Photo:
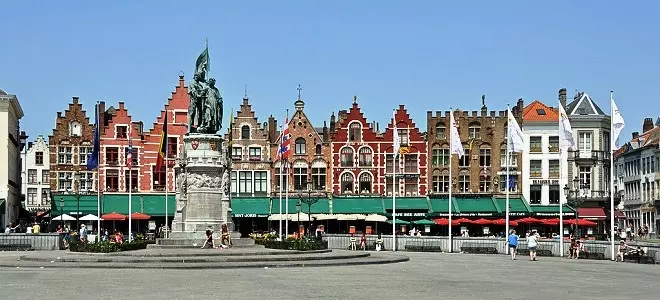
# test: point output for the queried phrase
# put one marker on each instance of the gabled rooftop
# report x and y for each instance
(582, 104)
(539, 112)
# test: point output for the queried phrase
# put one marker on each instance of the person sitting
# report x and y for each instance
(622, 250)
(379, 243)
(226, 237)
(208, 243)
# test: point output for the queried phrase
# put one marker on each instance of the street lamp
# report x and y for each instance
(76, 191)
(298, 207)
(310, 201)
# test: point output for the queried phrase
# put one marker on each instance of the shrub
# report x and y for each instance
(106, 247)
(305, 244)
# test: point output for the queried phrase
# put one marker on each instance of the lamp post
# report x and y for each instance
(298, 207)
(310, 201)
(62, 212)
(76, 193)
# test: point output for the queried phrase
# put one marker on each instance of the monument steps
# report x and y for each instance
(156, 246)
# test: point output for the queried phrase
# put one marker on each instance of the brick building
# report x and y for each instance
(483, 168)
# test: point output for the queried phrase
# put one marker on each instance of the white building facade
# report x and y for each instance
(36, 175)
(10, 158)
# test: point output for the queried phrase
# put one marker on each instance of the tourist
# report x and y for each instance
(532, 243)
(106, 235)
(379, 242)
(226, 237)
(8, 229)
(208, 242)
(83, 233)
(353, 240)
(622, 250)
(28, 229)
(513, 243)
(363, 242)
(623, 235)
(36, 229)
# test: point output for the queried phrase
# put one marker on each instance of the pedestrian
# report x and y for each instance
(363, 242)
(353, 240)
(513, 243)
(379, 242)
(532, 243)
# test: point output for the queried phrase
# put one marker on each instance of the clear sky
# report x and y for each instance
(428, 55)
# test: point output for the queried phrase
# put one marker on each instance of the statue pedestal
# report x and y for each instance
(201, 199)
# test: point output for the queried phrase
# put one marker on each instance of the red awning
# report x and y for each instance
(463, 220)
(619, 214)
(592, 213)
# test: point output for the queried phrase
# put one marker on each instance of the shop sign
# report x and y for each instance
(410, 214)
(554, 214)
(489, 214)
(249, 216)
(545, 182)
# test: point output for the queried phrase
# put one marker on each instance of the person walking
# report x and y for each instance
(513, 243)
(532, 243)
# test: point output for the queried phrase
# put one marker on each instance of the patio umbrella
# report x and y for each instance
(424, 222)
(376, 218)
(463, 220)
(113, 216)
(323, 217)
(445, 222)
(529, 220)
(89, 217)
(140, 216)
(398, 221)
(63, 217)
(483, 221)
(551, 222)
(503, 222)
(584, 222)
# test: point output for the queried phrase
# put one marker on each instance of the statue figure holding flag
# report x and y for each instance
(205, 110)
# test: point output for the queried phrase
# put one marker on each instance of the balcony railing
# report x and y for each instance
(535, 174)
(593, 155)
(589, 194)
(535, 149)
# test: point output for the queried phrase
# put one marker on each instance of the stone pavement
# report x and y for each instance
(425, 276)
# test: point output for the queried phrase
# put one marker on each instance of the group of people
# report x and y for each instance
(378, 244)
(32, 227)
(629, 233)
(225, 238)
(532, 243)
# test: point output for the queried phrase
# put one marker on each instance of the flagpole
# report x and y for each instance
(612, 145)
(395, 149)
(507, 161)
(98, 175)
(561, 190)
(130, 186)
(167, 226)
(451, 153)
(287, 190)
(281, 156)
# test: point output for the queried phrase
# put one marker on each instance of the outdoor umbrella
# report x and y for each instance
(424, 222)
(551, 222)
(398, 221)
(463, 220)
(503, 222)
(483, 221)
(445, 222)
(375, 218)
(89, 217)
(529, 220)
(140, 216)
(584, 222)
(64, 217)
(113, 216)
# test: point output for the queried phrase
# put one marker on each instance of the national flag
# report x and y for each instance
(396, 137)
(284, 151)
(566, 140)
(93, 161)
(129, 150)
(455, 139)
(230, 141)
(470, 146)
(162, 148)
(617, 123)
(511, 185)
(515, 142)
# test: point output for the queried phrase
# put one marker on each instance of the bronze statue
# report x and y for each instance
(205, 110)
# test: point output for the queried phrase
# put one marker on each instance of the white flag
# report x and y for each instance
(454, 138)
(566, 140)
(617, 123)
(397, 139)
(516, 143)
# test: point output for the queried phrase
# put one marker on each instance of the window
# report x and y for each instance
(84, 154)
(440, 156)
(245, 132)
(485, 183)
(131, 181)
(411, 186)
(87, 179)
(347, 157)
(75, 129)
(474, 131)
(554, 194)
(45, 196)
(410, 163)
(355, 132)
(535, 194)
(111, 180)
(403, 136)
(255, 153)
(301, 145)
(606, 142)
(112, 155)
(585, 178)
(440, 131)
(389, 163)
(553, 168)
(464, 161)
(234, 182)
(32, 176)
(484, 157)
(347, 183)
(535, 169)
(172, 146)
(513, 183)
(45, 177)
(64, 180)
(158, 178)
(260, 183)
(64, 155)
(540, 111)
(282, 177)
(440, 181)
(535, 144)
(39, 158)
(236, 153)
(245, 182)
(364, 158)
(318, 149)
(121, 132)
(134, 155)
(318, 178)
(553, 144)
(584, 141)
(300, 178)
(464, 181)
(365, 183)
(513, 159)
(32, 196)
(389, 186)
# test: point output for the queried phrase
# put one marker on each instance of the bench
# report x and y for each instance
(648, 258)
(15, 247)
(592, 252)
(421, 245)
(479, 248)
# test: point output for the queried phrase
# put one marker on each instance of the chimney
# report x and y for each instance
(75, 100)
(377, 127)
(635, 135)
(30, 144)
(325, 132)
(332, 122)
(182, 82)
(562, 97)
(272, 129)
(520, 107)
(102, 117)
(648, 124)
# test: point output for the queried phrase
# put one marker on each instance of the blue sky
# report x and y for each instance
(429, 55)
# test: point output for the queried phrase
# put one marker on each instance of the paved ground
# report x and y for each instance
(425, 276)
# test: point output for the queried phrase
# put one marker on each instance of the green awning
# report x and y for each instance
(424, 222)
(150, 204)
(69, 204)
(406, 203)
(551, 210)
(441, 206)
(517, 206)
(398, 221)
(250, 207)
(357, 205)
(320, 207)
(477, 205)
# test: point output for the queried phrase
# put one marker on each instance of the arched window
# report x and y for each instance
(365, 157)
(440, 131)
(355, 132)
(318, 149)
(474, 130)
(347, 183)
(365, 183)
(245, 132)
(300, 146)
(347, 157)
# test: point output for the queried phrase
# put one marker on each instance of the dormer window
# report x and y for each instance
(75, 129)
(121, 132)
(355, 132)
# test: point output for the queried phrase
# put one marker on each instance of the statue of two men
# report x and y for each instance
(205, 110)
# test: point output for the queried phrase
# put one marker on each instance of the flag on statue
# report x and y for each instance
(397, 138)
(516, 143)
(617, 123)
(566, 140)
(455, 139)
